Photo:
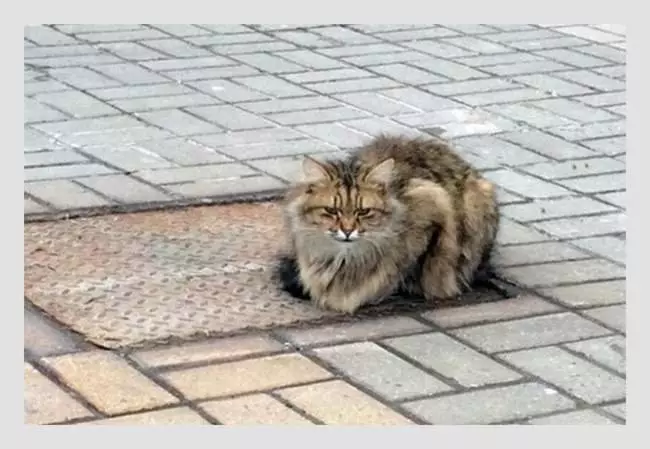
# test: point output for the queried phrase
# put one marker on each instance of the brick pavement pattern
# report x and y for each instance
(121, 117)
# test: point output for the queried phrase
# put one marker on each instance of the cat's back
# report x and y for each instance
(427, 158)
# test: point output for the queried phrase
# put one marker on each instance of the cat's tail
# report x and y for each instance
(286, 273)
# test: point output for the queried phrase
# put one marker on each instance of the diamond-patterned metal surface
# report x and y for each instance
(130, 279)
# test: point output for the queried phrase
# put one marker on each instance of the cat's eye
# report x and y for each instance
(362, 212)
(331, 210)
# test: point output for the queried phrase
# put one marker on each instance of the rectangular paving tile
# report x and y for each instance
(229, 186)
(338, 403)
(335, 134)
(364, 330)
(571, 168)
(610, 351)
(511, 233)
(584, 226)
(548, 145)
(597, 183)
(452, 359)
(179, 122)
(230, 117)
(608, 247)
(588, 294)
(54, 157)
(253, 410)
(555, 208)
(168, 417)
(499, 151)
(491, 406)
(64, 194)
(525, 185)
(548, 275)
(536, 253)
(42, 338)
(76, 104)
(529, 332)
(576, 418)
(380, 371)
(124, 189)
(245, 376)
(562, 369)
(45, 402)
(210, 350)
(108, 382)
(518, 307)
(612, 316)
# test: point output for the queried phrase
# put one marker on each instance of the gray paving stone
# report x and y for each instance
(219, 40)
(529, 114)
(588, 294)
(228, 91)
(610, 146)
(183, 152)
(376, 103)
(499, 59)
(525, 185)
(530, 332)
(115, 136)
(574, 58)
(546, 209)
(446, 356)
(556, 86)
(256, 47)
(469, 87)
(335, 133)
(317, 115)
(117, 36)
(76, 104)
(251, 136)
(596, 183)
(449, 69)
(357, 50)
(346, 332)
(524, 35)
(439, 49)
(416, 34)
(128, 73)
(289, 104)
(181, 29)
(561, 368)
(32, 207)
(82, 78)
(64, 194)
(576, 418)
(34, 140)
(470, 28)
(59, 50)
(613, 316)
(511, 233)
(525, 68)
(590, 33)
(201, 172)
(536, 253)
(124, 189)
(36, 112)
(179, 122)
(43, 339)
(502, 96)
(593, 80)
(477, 45)
(548, 145)
(64, 171)
(374, 126)
(265, 150)
(311, 59)
(140, 91)
(43, 35)
(132, 51)
(617, 410)
(566, 272)
(273, 86)
(225, 28)
(230, 117)
(368, 61)
(353, 85)
(304, 39)
(616, 71)
(499, 151)
(615, 198)
(620, 110)
(408, 75)
(128, 157)
(545, 44)
(97, 28)
(53, 157)
(176, 47)
(584, 226)
(167, 102)
(209, 73)
(345, 35)
(418, 99)
(610, 351)
(380, 371)
(227, 187)
(269, 63)
(38, 87)
(574, 110)
(70, 62)
(574, 168)
(187, 63)
(491, 406)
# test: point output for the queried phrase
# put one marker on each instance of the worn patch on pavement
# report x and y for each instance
(152, 277)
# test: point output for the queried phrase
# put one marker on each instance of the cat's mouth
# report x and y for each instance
(345, 236)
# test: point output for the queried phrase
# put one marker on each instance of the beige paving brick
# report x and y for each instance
(338, 403)
(494, 311)
(590, 294)
(212, 350)
(167, 417)
(253, 410)
(245, 376)
(46, 403)
(108, 382)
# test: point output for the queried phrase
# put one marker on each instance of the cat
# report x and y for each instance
(405, 214)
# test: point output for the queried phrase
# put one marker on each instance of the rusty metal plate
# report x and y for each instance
(151, 277)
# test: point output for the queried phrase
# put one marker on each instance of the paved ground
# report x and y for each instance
(131, 116)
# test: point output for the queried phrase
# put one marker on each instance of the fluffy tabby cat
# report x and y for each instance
(399, 214)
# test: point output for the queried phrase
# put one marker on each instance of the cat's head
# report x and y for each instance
(345, 201)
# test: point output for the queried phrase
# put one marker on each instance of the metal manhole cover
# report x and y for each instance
(131, 279)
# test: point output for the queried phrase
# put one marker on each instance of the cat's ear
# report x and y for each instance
(313, 171)
(381, 173)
